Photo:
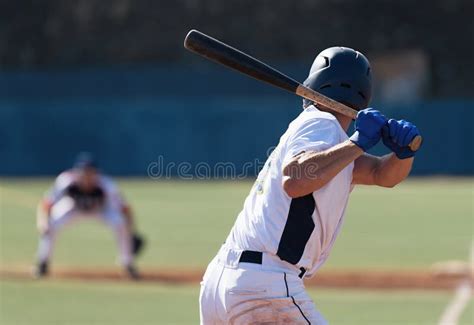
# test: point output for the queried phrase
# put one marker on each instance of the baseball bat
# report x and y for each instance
(219, 52)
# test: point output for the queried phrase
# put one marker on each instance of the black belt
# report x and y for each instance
(256, 258)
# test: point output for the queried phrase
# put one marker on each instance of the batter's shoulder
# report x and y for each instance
(312, 113)
(314, 118)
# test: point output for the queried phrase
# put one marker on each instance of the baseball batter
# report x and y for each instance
(84, 193)
(296, 207)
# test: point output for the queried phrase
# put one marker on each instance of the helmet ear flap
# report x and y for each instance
(308, 83)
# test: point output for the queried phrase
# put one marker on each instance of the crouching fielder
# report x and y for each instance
(79, 194)
(296, 207)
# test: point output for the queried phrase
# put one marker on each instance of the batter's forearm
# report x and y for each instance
(330, 162)
(392, 170)
(310, 171)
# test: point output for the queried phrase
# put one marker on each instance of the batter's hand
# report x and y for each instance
(368, 125)
(397, 135)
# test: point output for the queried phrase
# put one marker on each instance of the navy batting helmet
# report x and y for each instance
(342, 74)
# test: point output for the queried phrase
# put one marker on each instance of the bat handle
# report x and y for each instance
(415, 143)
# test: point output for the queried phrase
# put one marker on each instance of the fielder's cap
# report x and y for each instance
(85, 160)
(342, 74)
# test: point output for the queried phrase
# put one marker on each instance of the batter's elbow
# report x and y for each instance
(388, 184)
(295, 188)
(290, 189)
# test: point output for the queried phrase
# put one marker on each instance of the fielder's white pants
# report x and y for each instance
(245, 293)
(63, 213)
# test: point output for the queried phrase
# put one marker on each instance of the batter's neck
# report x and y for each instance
(343, 120)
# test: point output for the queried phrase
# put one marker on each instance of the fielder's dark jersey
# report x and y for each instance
(86, 201)
(105, 193)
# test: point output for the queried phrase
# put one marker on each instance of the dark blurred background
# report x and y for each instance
(112, 77)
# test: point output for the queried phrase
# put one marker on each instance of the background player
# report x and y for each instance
(295, 210)
(84, 193)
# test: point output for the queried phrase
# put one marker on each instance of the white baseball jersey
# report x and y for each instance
(300, 231)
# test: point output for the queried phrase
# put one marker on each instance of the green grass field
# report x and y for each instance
(55, 302)
(410, 227)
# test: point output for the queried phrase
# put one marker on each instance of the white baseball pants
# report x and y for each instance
(63, 213)
(246, 293)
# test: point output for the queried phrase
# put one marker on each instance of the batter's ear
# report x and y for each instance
(353, 106)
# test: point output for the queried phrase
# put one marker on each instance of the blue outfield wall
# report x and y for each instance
(134, 118)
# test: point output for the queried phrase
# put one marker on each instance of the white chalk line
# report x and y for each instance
(462, 296)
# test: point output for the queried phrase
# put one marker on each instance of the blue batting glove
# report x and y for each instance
(368, 125)
(397, 135)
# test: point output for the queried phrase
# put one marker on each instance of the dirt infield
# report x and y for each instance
(368, 279)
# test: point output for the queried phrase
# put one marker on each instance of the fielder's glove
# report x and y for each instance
(138, 243)
(368, 125)
(397, 135)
